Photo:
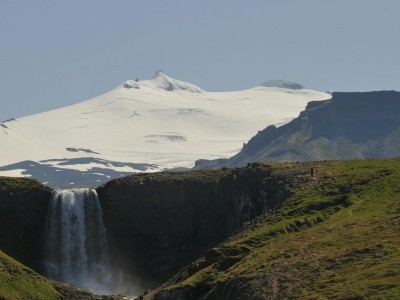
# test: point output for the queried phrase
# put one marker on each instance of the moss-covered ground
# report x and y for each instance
(20, 282)
(336, 237)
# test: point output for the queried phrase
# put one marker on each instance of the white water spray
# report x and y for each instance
(76, 245)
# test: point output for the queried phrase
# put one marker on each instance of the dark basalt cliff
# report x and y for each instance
(348, 126)
(23, 209)
(335, 237)
(319, 228)
(162, 221)
(156, 223)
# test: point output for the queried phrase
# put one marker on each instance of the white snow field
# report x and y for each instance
(148, 125)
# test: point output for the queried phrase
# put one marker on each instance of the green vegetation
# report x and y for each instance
(17, 184)
(20, 282)
(336, 237)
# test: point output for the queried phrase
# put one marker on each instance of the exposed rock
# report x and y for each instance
(23, 209)
(348, 126)
(333, 238)
(284, 84)
(165, 220)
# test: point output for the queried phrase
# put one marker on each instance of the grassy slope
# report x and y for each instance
(20, 282)
(336, 237)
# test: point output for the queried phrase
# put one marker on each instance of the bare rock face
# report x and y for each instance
(284, 84)
(348, 126)
(23, 209)
(160, 222)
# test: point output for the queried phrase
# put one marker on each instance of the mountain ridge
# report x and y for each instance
(285, 84)
(152, 125)
(163, 82)
(351, 125)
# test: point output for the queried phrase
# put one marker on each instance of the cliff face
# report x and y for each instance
(156, 223)
(165, 220)
(348, 126)
(335, 237)
(23, 209)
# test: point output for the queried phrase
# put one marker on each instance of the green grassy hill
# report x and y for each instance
(20, 282)
(336, 237)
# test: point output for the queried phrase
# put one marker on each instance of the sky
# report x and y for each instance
(57, 53)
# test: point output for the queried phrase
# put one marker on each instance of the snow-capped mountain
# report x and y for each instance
(142, 125)
(350, 125)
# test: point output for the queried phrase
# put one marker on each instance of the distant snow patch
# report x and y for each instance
(82, 172)
(14, 173)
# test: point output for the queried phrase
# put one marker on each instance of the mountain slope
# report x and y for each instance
(348, 126)
(20, 282)
(335, 237)
(143, 125)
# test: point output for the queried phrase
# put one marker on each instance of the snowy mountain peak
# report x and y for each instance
(283, 84)
(141, 126)
(163, 82)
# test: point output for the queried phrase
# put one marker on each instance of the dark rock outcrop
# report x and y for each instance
(162, 221)
(23, 209)
(348, 126)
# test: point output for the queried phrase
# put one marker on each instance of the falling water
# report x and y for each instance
(76, 245)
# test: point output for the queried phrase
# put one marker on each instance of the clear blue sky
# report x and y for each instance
(56, 53)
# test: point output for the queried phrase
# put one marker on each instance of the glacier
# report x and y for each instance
(143, 126)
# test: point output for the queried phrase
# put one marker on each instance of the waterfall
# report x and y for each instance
(76, 245)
